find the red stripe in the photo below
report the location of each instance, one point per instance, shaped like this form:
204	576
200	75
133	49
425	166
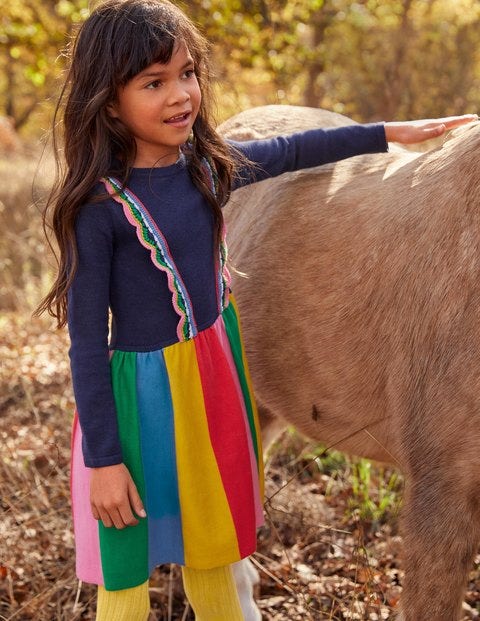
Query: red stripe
227	431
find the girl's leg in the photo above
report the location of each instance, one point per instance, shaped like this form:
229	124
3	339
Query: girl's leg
125	605
212	594
246	577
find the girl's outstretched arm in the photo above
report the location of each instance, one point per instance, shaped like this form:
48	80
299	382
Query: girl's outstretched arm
300	150
409	132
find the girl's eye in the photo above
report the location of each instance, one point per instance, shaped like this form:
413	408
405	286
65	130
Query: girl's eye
189	73
154	84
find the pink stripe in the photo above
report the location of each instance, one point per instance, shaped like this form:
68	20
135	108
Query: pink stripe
87	545
153	255
219	328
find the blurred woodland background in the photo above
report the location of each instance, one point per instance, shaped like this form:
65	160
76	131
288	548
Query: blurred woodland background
370	60
330	548
399	59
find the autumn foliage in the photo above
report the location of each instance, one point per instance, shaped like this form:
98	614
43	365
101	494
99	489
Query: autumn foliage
367	59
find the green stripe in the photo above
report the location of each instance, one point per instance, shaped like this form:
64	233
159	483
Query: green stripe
124	552
233	332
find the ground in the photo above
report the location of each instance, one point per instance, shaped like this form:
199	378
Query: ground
330	548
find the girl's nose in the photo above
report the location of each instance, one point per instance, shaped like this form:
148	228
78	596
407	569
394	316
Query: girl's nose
178	94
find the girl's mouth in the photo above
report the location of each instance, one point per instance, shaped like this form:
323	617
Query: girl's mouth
179	120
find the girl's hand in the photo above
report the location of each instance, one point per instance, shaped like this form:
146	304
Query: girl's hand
410	132
114	497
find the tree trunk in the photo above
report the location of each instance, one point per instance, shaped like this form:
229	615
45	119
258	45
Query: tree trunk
312	95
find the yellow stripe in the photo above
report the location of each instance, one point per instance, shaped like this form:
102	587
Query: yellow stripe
209	534
254	404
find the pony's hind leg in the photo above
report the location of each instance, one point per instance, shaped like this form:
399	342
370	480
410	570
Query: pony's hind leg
441	535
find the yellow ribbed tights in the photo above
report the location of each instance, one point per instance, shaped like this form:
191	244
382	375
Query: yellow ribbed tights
211	592
125	605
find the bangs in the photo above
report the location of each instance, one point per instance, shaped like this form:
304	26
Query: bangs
130	35
146	34
147	44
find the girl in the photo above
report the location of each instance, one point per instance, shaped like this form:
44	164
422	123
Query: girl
166	454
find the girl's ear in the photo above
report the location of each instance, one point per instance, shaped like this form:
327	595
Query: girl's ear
112	110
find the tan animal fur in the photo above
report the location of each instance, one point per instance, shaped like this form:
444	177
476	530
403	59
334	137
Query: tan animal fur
361	317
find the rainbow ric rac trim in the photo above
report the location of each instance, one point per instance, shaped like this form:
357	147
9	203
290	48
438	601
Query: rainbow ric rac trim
223	275
153	240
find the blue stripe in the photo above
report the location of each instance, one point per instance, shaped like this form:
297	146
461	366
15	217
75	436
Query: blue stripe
157	437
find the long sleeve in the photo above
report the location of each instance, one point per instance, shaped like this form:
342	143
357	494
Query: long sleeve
275	156
88	303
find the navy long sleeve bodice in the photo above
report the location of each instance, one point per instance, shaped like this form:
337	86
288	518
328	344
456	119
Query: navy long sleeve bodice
115	272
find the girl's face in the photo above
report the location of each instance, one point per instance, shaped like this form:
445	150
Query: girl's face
159	106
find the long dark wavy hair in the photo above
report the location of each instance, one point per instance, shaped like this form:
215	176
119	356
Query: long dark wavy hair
118	40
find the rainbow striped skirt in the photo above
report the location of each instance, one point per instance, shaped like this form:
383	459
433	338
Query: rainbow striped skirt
190	438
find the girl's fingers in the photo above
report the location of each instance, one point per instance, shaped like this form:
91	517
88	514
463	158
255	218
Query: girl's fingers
454	121
440	126
135	500
126	514
409	132
449	121
95	513
432	132
114	497
117	519
105	517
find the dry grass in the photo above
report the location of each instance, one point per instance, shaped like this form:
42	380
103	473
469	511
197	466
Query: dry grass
24	259
36	541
